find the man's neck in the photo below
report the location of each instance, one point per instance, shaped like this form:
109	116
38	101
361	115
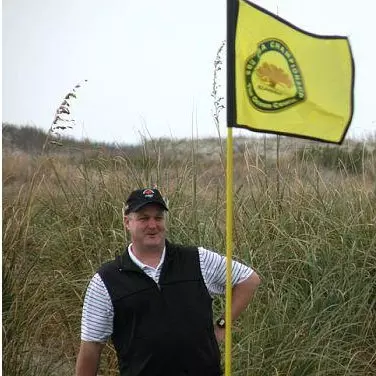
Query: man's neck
148	256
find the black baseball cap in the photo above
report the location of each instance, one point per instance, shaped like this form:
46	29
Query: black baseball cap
141	197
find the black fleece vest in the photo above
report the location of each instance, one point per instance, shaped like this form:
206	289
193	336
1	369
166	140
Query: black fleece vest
165	329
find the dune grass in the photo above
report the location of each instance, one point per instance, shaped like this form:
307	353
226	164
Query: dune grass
309	231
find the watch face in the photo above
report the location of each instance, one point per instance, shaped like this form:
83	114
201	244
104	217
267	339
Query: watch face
221	322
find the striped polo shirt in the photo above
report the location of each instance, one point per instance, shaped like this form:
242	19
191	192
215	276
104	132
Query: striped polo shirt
98	313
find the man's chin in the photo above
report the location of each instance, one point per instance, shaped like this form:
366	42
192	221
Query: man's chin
154	241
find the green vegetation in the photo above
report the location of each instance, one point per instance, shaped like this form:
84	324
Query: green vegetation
304	221
350	160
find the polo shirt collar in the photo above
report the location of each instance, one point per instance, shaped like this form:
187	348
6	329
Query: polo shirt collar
140	264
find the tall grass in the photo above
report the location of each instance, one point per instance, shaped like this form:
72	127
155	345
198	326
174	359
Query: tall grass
310	234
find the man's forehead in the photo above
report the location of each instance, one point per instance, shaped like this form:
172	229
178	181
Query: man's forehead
150	209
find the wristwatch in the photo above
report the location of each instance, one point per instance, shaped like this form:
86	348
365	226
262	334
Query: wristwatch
221	323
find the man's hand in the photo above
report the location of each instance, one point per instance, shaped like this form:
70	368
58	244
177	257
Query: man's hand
219	333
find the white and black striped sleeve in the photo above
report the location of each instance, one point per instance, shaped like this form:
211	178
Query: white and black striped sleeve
97	312
213	269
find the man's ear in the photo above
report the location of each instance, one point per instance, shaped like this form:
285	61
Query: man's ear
126	222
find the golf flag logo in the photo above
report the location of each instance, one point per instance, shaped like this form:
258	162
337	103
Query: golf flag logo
288	81
273	78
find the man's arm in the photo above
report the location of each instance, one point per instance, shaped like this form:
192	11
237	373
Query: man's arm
242	294
96	327
88	358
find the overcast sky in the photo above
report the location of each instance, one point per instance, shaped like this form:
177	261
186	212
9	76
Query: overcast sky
149	64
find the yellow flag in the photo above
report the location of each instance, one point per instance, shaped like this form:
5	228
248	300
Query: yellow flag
289	81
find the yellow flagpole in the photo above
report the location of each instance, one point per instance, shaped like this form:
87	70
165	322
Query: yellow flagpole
229	226
232	7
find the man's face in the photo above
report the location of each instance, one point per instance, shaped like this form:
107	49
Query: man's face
147	227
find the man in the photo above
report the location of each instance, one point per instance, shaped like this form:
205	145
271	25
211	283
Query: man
155	301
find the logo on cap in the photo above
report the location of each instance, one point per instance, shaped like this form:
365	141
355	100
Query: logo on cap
149	193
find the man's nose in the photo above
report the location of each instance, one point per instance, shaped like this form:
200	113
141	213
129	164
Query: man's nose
152	222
